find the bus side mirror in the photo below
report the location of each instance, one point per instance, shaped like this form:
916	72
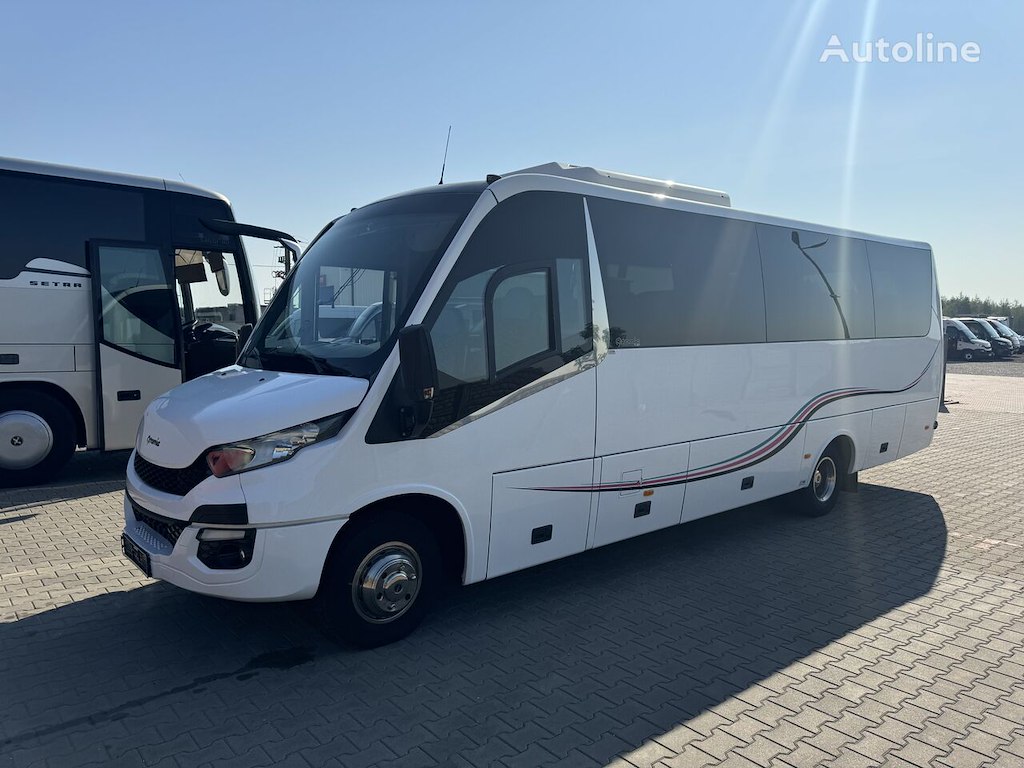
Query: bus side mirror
418	379
244	332
220	274
223	282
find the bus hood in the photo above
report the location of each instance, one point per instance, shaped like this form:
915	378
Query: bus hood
237	404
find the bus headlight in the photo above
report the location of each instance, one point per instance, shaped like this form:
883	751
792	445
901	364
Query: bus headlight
273	448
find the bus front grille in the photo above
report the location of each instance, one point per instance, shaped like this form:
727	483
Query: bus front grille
167	527
177	482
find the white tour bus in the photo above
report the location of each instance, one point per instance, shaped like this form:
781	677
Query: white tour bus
564	358
113	289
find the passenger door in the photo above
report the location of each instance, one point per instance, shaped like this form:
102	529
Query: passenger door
136	335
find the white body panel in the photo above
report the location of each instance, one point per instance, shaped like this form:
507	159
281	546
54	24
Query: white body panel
67	300
577	450
518	510
618	514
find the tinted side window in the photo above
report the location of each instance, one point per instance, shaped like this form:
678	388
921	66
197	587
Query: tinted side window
816	286
902	282
521	308
675	278
573	305
515	307
136	302
458	331
44	218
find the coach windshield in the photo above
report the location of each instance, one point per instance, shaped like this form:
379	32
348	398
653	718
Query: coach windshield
373	261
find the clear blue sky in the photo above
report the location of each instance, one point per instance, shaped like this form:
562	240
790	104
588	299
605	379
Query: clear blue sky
299	111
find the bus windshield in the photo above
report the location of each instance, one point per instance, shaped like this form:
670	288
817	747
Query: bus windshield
340	308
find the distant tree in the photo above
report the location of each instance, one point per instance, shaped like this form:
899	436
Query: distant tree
962	304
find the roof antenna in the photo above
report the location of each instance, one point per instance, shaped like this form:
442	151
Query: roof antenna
445	155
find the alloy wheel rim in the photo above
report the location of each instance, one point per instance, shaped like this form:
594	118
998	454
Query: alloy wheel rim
824	481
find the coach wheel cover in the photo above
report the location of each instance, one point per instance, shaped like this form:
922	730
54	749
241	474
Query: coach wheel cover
387	582
25	439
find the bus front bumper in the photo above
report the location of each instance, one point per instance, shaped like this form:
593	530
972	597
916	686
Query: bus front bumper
260	564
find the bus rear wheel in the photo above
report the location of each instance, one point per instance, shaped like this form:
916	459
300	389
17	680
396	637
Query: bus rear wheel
37	438
822	492
379	581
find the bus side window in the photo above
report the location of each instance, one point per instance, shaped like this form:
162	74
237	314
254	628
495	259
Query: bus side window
573	299
521	308
458	332
539	303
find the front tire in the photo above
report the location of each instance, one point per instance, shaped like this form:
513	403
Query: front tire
37	437
822	492
379	581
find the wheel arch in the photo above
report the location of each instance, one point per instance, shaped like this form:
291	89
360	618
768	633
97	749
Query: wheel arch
847	451
59	394
440	515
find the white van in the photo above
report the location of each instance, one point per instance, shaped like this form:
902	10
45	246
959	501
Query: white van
550	375
961	343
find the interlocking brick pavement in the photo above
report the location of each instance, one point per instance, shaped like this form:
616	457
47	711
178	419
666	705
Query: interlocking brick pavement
888	633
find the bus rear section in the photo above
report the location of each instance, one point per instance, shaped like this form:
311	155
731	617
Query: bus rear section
562	359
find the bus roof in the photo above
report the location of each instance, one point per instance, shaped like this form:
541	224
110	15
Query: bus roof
106	177
662	187
668	194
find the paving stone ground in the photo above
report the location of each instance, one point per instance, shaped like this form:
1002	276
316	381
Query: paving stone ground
888	633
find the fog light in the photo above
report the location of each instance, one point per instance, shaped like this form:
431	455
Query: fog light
226	549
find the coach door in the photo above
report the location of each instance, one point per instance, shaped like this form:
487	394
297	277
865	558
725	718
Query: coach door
136	335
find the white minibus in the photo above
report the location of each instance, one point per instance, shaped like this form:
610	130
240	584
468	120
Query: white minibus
548	373
113	289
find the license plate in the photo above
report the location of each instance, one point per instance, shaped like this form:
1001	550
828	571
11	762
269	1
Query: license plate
136	554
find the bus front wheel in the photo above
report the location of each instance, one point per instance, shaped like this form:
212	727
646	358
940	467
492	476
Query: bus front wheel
37	437
379	581
822	490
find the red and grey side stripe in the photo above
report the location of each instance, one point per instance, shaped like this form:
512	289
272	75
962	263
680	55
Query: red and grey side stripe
759	453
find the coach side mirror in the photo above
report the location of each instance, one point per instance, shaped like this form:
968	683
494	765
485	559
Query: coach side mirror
216	261
223	282
418	379
244	332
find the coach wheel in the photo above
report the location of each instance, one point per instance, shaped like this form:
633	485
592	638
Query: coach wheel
37	437
822	490
379	581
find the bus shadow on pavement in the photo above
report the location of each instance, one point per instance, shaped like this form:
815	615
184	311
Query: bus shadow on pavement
87	474
580	660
